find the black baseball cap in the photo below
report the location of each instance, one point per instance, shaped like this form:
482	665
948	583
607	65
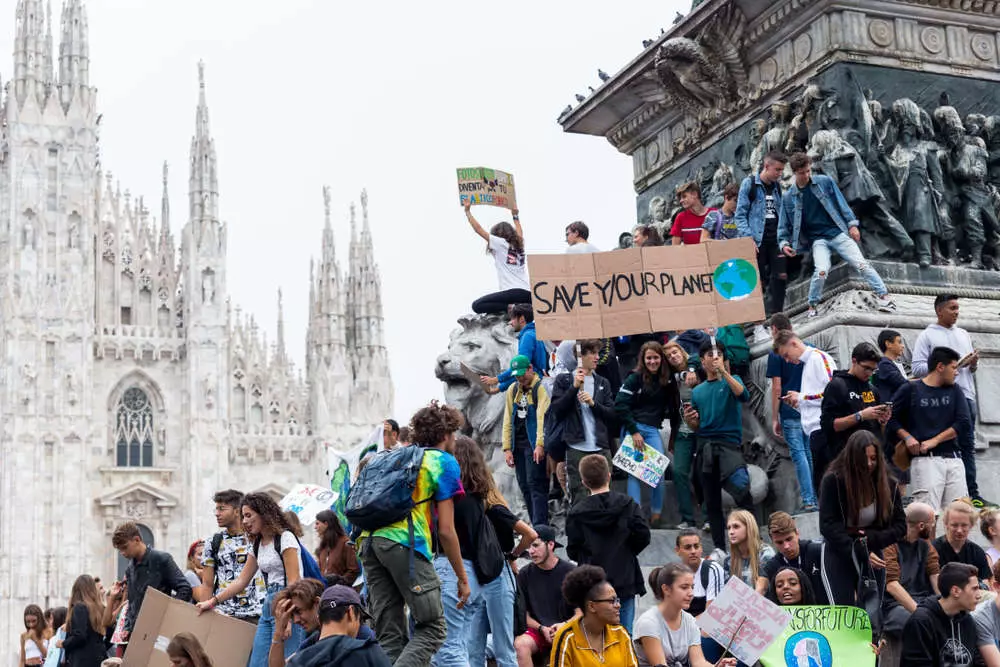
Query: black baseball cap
547	533
341	596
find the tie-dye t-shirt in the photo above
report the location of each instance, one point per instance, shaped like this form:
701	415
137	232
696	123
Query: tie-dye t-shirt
440	479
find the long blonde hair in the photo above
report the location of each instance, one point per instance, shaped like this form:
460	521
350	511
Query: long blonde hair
85	592
753	544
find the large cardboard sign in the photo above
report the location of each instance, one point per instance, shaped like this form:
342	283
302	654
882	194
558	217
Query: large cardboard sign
744	621
308	500
642	290
490	187
645	463
226	640
837	635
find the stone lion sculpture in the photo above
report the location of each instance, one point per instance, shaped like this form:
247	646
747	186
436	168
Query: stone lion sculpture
485	344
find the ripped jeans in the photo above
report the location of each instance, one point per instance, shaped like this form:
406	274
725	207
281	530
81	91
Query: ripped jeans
843	245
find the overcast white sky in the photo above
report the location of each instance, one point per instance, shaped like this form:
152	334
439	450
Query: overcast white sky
391	96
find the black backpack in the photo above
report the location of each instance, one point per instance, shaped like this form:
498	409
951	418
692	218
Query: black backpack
216	545
490	559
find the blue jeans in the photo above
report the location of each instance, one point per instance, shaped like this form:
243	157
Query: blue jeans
533	480
493	616
454	652
266	629
843	245
798	447
628	613
652	437
685	447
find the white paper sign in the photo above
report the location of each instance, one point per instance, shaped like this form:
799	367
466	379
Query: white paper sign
308	500
647	466
744	621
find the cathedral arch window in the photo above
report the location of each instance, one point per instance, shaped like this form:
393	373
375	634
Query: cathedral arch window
52	192
134	432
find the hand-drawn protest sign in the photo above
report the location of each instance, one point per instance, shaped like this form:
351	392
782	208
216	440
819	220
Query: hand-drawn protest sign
647	465
308	500
641	290
823	636
744	621
486	186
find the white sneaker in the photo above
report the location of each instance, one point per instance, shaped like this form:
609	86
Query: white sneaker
760	334
707	527
886	304
811	313
683	525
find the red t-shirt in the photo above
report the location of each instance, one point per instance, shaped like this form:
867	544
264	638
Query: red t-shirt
687	225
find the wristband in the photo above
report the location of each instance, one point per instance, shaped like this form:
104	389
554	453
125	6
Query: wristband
857	416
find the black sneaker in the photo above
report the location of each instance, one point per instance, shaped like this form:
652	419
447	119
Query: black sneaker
981	503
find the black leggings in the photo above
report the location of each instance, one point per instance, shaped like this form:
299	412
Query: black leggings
497	302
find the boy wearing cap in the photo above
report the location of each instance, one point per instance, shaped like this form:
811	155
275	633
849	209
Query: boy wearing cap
583	405
527	402
541	582
340	615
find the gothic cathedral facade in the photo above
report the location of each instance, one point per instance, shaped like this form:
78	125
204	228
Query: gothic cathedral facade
130	389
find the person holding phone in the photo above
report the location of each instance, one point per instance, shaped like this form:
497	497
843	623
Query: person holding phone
851	404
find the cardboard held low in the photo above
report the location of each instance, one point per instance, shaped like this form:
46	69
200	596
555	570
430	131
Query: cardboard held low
642	290
489	187
226	640
836	635
647	467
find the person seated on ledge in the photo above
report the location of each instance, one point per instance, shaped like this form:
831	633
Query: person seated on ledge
505	244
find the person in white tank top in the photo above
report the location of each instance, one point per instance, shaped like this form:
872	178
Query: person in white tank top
34	640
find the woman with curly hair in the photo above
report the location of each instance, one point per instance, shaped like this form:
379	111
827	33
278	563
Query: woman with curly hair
184	650
596	638
397	558
647	397
335	554
84	643
278	555
505	243
490	613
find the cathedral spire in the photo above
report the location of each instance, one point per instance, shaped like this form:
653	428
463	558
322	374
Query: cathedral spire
165	202
280	353
74	49
203	188
30	59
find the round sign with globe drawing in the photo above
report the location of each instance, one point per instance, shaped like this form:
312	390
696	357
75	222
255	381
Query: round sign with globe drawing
808	649
735	279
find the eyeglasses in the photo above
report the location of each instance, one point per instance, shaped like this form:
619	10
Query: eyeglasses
868	369
615	601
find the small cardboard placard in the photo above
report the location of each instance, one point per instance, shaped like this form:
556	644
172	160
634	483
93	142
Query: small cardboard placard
227	641
308	500
642	290
647	465
489	187
743	621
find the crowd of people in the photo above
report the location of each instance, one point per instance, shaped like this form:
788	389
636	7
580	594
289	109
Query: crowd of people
428	563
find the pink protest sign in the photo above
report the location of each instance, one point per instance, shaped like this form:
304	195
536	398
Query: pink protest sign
744	621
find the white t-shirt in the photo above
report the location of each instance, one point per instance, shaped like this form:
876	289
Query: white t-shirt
270	563
581	248
511	271
676	644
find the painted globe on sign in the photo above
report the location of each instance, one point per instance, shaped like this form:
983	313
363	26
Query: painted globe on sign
735	279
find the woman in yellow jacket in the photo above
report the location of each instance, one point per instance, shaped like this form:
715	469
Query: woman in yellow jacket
595	638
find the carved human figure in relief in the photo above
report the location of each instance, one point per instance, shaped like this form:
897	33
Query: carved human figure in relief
208	286
965	164
917	186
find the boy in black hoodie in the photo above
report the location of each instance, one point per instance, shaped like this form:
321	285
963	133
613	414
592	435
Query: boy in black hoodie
608	529
941	632
340	612
850	404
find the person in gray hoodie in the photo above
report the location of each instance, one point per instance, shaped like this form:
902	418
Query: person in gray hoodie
340	614
608	529
941	632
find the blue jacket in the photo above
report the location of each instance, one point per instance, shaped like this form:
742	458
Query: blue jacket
749	215
790	213
528	345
